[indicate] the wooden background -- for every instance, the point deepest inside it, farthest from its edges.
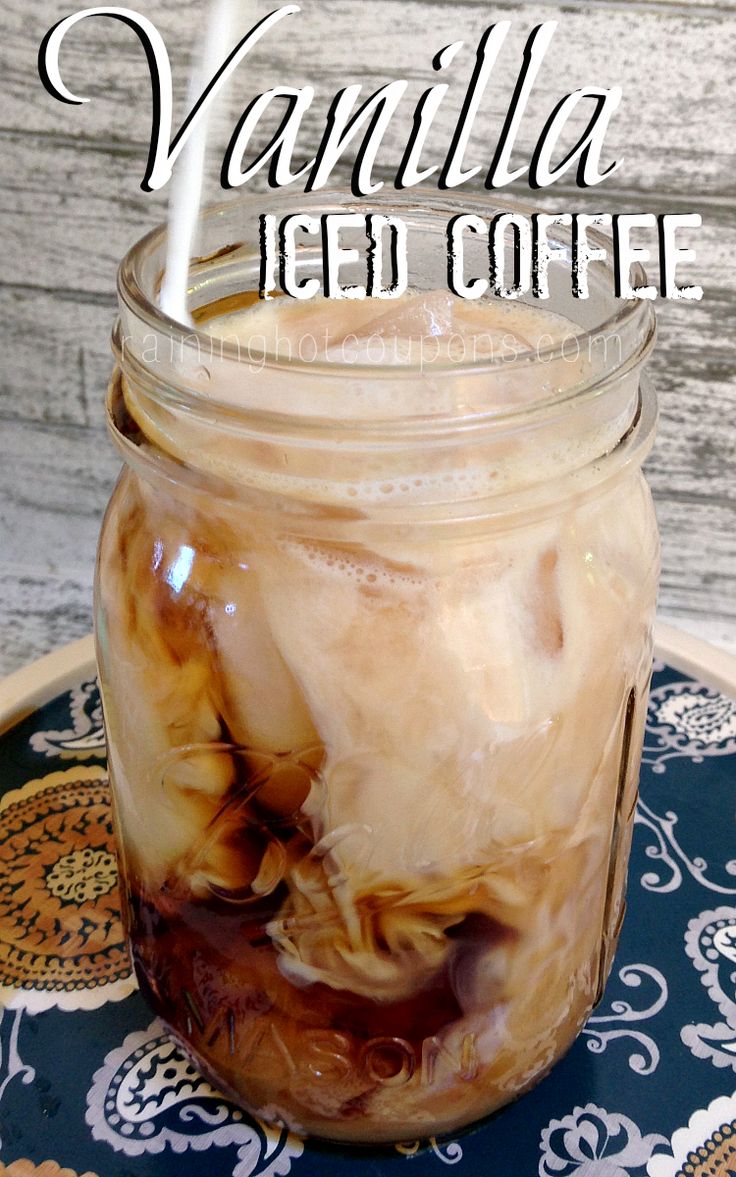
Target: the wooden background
(71, 206)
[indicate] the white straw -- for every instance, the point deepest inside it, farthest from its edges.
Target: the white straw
(188, 177)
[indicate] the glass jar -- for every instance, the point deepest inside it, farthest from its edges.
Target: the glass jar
(374, 644)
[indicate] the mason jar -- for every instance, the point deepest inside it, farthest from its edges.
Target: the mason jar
(374, 636)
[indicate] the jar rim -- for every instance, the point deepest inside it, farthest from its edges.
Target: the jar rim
(512, 507)
(143, 305)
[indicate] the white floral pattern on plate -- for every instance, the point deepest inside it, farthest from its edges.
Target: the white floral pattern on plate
(706, 1146)
(710, 942)
(603, 1029)
(147, 1097)
(139, 1116)
(688, 719)
(592, 1142)
(450, 1152)
(11, 1064)
(62, 944)
(666, 849)
(86, 736)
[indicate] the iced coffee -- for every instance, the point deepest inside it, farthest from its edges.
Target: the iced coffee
(374, 699)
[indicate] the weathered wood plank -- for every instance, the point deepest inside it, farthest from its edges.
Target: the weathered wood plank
(71, 206)
(671, 110)
(72, 215)
(54, 484)
(695, 451)
(698, 558)
(41, 610)
(58, 356)
(55, 481)
(59, 374)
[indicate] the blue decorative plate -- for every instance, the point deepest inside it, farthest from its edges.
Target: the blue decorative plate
(91, 1084)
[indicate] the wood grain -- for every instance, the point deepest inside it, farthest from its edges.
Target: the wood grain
(71, 206)
(672, 107)
(52, 498)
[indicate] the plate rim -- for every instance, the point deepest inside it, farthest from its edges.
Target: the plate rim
(27, 689)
